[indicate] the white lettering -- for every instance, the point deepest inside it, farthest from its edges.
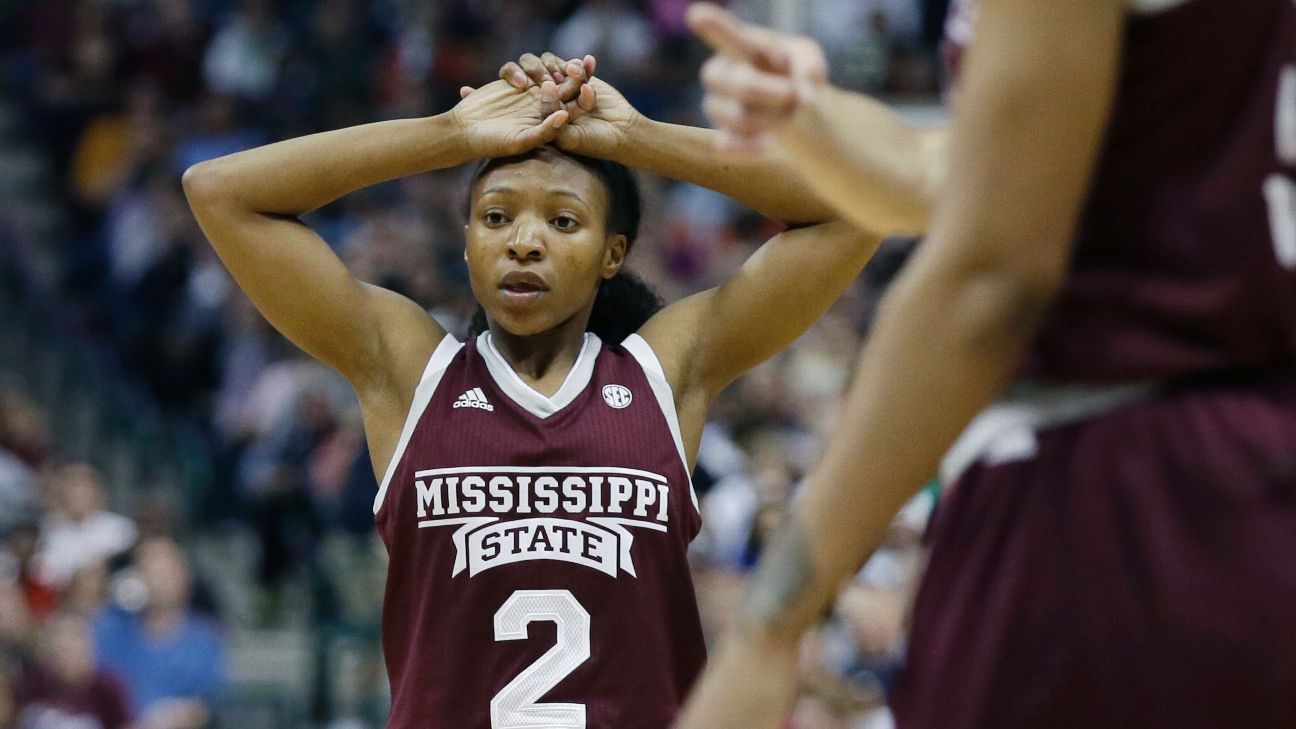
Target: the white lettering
(573, 494)
(524, 495)
(474, 498)
(1285, 116)
(546, 496)
(501, 494)
(1279, 189)
(453, 495)
(636, 493)
(429, 494)
(1280, 193)
(647, 495)
(621, 490)
(596, 494)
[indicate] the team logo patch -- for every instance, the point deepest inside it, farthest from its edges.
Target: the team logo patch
(617, 396)
(502, 515)
(474, 398)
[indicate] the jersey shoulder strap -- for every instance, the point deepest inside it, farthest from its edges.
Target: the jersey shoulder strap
(437, 364)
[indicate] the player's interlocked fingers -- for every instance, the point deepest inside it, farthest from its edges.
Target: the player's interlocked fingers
(563, 84)
(571, 77)
(601, 119)
(758, 79)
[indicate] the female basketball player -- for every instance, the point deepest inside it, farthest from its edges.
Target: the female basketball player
(535, 497)
(1118, 230)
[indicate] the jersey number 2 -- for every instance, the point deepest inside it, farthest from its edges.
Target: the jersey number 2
(1280, 189)
(515, 707)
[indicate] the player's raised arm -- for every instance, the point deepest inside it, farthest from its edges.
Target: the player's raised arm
(852, 151)
(606, 126)
(249, 204)
(1036, 97)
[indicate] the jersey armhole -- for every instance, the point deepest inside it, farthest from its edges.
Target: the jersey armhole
(639, 348)
(441, 357)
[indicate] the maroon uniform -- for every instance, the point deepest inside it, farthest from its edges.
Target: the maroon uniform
(538, 573)
(1185, 256)
(1120, 546)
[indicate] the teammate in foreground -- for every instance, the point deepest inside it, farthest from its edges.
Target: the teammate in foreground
(1116, 237)
(535, 496)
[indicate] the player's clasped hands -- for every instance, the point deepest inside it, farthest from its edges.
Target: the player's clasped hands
(757, 81)
(600, 117)
(542, 99)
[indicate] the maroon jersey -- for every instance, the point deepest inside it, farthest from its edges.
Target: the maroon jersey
(538, 573)
(45, 703)
(1185, 256)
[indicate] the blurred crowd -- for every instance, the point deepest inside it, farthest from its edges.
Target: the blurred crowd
(99, 625)
(102, 622)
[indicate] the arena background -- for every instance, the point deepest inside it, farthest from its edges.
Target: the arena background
(145, 405)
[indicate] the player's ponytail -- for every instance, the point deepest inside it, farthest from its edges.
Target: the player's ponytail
(624, 303)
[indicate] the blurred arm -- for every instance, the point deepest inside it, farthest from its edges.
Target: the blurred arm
(861, 158)
(1036, 98)
(851, 151)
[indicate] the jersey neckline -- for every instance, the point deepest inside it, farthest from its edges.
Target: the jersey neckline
(527, 397)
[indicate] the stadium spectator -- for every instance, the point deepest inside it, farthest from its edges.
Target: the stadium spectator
(17, 492)
(245, 55)
(610, 30)
(24, 429)
(172, 660)
(80, 533)
(62, 689)
(17, 561)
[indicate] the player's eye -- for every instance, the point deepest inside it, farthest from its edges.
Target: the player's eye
(565, 223)
(494, 218)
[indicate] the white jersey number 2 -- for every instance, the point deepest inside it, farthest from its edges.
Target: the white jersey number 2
(1279, 189)
(515, 707)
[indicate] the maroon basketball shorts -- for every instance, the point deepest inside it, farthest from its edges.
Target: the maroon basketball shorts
(1133, 568)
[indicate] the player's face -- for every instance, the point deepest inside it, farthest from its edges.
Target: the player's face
(538, 244)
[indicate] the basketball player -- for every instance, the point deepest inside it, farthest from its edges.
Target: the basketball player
(535, 497)
(1116, 237)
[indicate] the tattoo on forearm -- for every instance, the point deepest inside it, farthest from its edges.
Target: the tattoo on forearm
(784, 578)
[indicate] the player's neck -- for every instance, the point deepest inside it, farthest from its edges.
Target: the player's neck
(542, 360)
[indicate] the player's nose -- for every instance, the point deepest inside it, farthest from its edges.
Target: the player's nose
(527, 242)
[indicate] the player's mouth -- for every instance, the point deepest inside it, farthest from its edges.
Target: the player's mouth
(522, 286)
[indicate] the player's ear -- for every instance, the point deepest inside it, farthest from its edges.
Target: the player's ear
(614, 254)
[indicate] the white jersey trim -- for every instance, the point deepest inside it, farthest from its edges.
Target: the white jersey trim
(639, 348)
(1152, 7)
(1006, 430)
(436, 367)
(527, 397)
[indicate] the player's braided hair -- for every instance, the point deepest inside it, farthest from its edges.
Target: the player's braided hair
(624, 303)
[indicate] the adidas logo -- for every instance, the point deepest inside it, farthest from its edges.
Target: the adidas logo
(474, 398)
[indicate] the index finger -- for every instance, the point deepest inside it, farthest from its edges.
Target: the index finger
(514, 75)
(730, 36)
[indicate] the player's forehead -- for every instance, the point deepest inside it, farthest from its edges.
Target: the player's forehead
(541, 176)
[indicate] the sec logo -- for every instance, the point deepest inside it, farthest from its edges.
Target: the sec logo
(617, 396)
